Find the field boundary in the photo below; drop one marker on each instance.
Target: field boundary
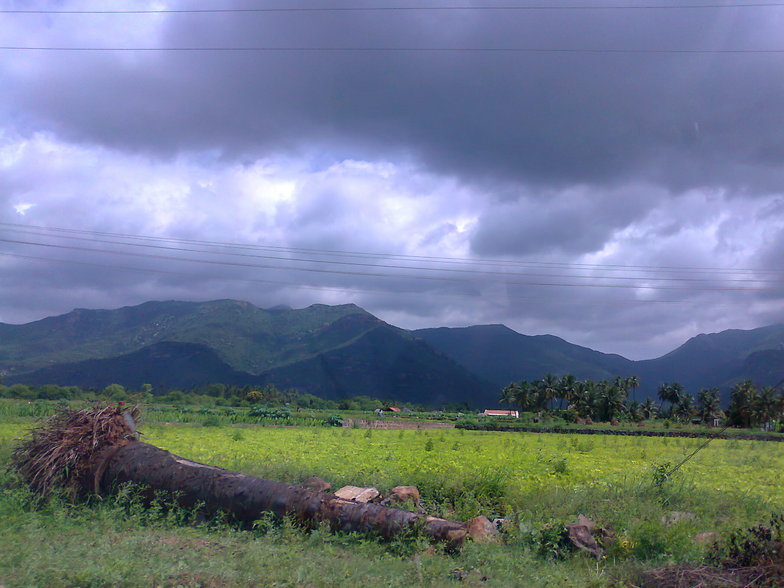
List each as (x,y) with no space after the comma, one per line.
(627,432)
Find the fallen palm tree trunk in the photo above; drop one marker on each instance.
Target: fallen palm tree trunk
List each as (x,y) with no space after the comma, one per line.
(93,450)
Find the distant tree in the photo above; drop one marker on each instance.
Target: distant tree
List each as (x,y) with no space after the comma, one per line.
(566,389)
(115,392)
(612,400)
(670,392)
(508,395)
(742,401)
(648,408)
(254,396)
(584,399)
(547,389)
(684,408)
(765,407)
(632,383)
(708,404)
(635,411)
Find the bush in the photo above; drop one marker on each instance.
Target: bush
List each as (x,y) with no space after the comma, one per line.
(334,421)
(750,547)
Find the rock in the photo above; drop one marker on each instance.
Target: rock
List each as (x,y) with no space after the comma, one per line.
(677,516)
(580,534)
(357,494)
(585,522)
(480,529)
(705,538)
(400,494)
(500,524)
(317,484)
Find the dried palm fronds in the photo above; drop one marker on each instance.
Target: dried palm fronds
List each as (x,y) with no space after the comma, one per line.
(60,452)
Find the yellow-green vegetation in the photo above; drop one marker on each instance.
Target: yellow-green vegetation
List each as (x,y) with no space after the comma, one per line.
(515,465)
(537,482)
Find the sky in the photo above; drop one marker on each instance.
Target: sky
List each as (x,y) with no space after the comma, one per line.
(611,173)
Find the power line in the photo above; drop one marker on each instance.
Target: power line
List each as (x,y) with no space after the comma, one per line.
(300,285)
(381,275)
(386,255)
(404,267)
(382,50)
(497,8)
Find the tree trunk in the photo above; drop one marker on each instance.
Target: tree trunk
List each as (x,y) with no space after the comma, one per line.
(247,497)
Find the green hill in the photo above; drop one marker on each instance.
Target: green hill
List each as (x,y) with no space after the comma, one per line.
(245,337)
(331,351)
(339,351)
(501,355)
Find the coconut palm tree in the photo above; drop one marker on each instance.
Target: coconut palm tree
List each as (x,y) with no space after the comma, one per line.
(670,392)
(742,400)
(566,388)
(632,383)
(584,399)
(764,409)
(612,400)
(709,403)
(525,398)
(96,449)
(648,408)
(684,409)
(548,388)
(508,395)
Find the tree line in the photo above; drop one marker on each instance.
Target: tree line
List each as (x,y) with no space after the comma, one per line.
(209,395)
(607,400)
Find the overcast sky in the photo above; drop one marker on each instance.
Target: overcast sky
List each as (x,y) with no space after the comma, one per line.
(621,186)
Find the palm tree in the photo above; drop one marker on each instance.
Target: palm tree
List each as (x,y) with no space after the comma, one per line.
(670,392)
(548,388)
(508,395)
(635,411)
(632,383)
(742,400)
(648,408)
(684,409)
(96,449)
(567,385)
(583,399)
(612,399)
(709,403)
(524,398)
(764,408)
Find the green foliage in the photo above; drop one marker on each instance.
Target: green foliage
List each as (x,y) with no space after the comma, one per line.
(265,412)
(550,541)
(760,544)
(334,421)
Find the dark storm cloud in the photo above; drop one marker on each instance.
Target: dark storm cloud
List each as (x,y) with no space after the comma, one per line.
(625,161)
(678,120)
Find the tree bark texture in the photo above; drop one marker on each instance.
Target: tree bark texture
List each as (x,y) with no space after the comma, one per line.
(247,497)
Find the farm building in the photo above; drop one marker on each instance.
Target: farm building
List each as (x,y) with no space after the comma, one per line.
(502,413)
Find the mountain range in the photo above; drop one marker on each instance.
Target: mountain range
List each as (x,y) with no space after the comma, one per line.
(341,351)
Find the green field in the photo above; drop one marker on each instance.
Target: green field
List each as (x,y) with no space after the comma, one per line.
(536,481)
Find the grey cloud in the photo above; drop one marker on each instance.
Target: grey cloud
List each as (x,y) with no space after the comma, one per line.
(678,120)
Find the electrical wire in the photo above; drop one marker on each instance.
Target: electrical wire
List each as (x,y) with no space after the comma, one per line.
(506,274)
(379,274)
(485,8)
(55,231)
(379,50)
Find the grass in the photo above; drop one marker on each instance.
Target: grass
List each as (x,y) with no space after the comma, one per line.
(116,542)
(537,482)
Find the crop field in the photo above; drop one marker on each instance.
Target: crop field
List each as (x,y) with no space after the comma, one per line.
(532,480)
